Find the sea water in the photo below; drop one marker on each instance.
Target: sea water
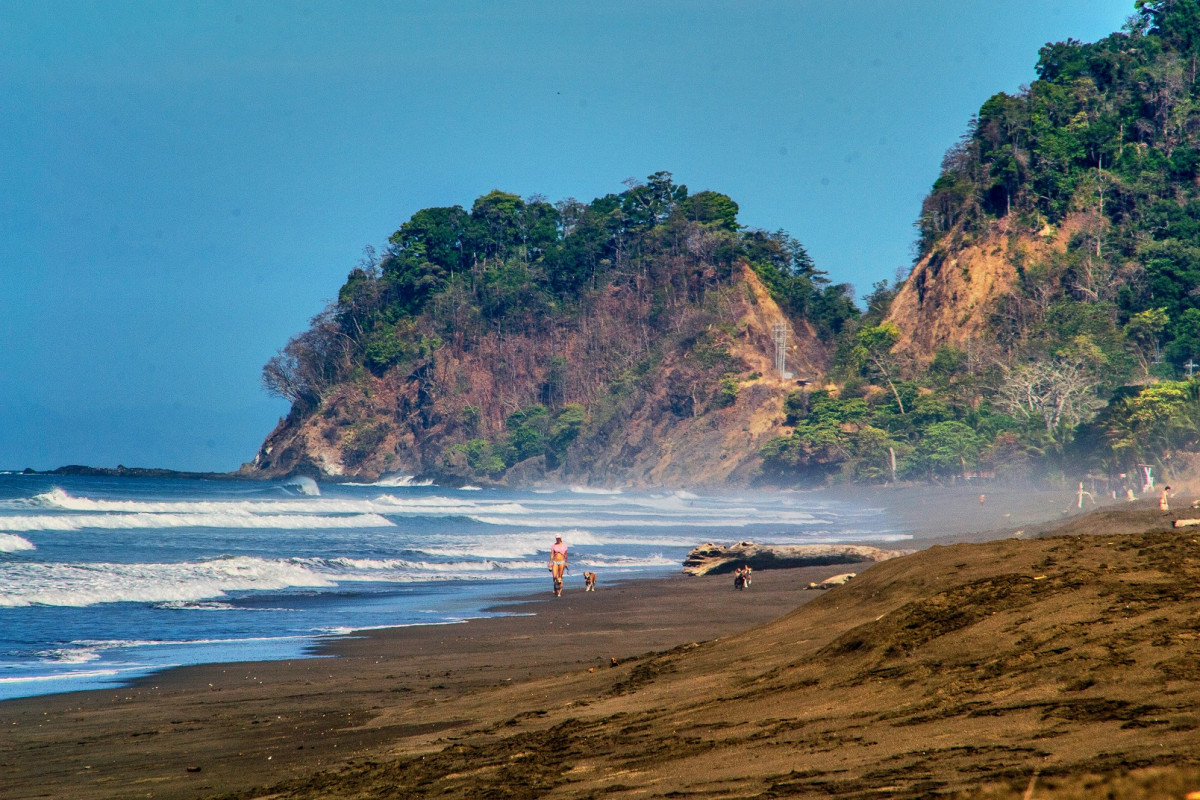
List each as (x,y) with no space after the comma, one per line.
(103,580)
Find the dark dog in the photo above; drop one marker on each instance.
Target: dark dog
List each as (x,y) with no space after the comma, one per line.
(589,581)
(741,578)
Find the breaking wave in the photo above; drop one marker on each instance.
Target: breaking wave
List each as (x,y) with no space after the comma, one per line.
(57,499)
(76,585)
(227,518)
(12,544)
(304,485)
(396,481)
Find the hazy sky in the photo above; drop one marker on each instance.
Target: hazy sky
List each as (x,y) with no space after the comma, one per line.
(184,184)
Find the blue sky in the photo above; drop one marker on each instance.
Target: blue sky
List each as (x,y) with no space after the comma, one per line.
(184,184)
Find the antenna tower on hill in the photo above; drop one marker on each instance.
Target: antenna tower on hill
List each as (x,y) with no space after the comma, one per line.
(781,333)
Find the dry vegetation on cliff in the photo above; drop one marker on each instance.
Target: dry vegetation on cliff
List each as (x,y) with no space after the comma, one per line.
(629,341)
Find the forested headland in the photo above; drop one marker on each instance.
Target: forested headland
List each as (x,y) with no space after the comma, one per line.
(1049,329)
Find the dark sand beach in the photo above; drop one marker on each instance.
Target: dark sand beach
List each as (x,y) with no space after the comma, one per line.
(208,730)
(1004,666)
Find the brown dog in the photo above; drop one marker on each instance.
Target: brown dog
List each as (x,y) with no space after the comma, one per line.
(589,581)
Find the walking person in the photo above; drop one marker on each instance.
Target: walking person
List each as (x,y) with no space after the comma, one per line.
(558,563)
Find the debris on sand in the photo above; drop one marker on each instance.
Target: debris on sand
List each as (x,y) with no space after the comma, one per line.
(713,559)
(836,580)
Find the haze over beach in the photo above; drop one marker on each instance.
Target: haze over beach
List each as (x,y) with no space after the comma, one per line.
(185,186)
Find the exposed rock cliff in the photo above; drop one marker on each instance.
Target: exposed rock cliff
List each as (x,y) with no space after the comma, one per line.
(952,293)
(677,423)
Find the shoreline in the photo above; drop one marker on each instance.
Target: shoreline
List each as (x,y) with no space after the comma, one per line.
(210,729)
(219,729)
(942,515)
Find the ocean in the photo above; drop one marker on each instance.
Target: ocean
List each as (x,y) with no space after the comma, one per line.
(104,580)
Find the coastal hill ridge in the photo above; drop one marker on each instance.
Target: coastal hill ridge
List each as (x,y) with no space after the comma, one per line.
(1048,331)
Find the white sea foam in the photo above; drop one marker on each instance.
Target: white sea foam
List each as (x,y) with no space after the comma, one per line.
(10,543)
(343,630)
(118,644)
(73,675)
(443,506)
(679,508)
(60,500)
(85,651)
(395,480)
(627,562)
(600,509)
(200,585)
(402,570)
(70,655)
(197,605)
(632,519)
(504,545)
(77,585)
(224,518)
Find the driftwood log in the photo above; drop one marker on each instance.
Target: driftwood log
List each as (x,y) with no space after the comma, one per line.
(834,582)
(714,559)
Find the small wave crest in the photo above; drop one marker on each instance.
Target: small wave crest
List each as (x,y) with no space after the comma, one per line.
(629,562)
(70,655)
(505,545)
(304,485)
(225,518)
(10,543)
(403,570)
(443,506)
(64,501)
(85,651)
(196,605)
(395,481)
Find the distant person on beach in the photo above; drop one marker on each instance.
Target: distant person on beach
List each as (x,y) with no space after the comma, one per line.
(558,563)
(741,578)
(1163,505)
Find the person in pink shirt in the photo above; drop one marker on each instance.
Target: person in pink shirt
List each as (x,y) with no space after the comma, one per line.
(558,563)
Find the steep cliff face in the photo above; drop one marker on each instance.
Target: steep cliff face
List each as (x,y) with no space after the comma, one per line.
(952,292)
(672,418)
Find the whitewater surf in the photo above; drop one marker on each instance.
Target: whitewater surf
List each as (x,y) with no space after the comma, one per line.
(107,579)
